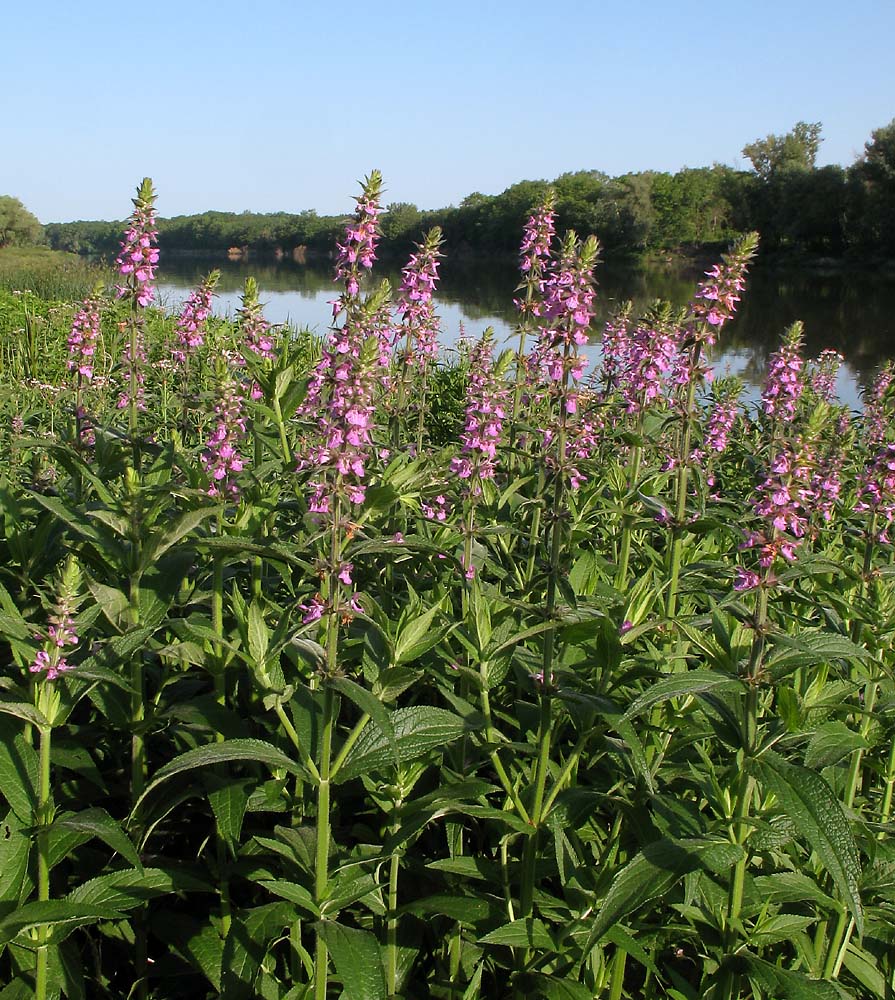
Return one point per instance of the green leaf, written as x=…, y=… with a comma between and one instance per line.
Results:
x=53, y=913
x=652, y=872
x=23, y=710
x=418, y=729
x=417, y=637
x=358, y=961
x=808, y=648
x=831, y=743
x=228, y=803
x=98, y=823
x=251, y=934
x=221, y=753
x=293, y=892
x=782, y=927
x=549, y=988
x=199, y=944
x=809, y=801
x=784, y=983
x=127, y=889
x=370, y=705
x=693, y=682
x=15, y=848
x=159, y=542
x=258, y=634
x=18, y=774
x=525, y=933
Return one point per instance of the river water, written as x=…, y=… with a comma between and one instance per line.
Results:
x=852, y=312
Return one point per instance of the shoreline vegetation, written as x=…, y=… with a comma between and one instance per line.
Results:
x=807, y=214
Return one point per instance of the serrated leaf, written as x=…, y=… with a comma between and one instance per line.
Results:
x=228, y=803
x=98, y=823
x=246, y=945
x=258, y=634
x=549, y=988
x=220, y=753
x=418, y=729
x=15, y=848
x=18, y=774
x=358, y=961
x=293, y=892
x=781, y=927
x=693, y=682
x=159, y=542
x=525, y=933
x=23, y=710
x=651, y=873
x=809, y=801
x=417, y=637
x=831, y=743
x=52, y=913
x=127, y=889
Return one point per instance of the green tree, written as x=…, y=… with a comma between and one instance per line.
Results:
x=797, y=150
x=870, y=223
x=17, y=225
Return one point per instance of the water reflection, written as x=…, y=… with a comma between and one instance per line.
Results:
x=850, y=312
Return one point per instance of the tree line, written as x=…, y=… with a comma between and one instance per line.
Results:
x=797, y=207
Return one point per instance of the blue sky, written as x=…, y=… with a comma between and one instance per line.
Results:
x=279, y=105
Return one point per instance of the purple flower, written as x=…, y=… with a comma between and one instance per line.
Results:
x=716, y=298
x=341, y=394
x=746, y=579
x=190, y=326
x=783, y=383
x=134, y=363
x=255, y=329
x=85, y=331
x=222, y=458
x=138, y=257
x=486, y=403
x=419, y=321
x=824, y=372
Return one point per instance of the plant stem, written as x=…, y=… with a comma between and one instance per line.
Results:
x=392, y=926
x=321, y=875
x=683, y=477
x=624, y=555
x=43, y=859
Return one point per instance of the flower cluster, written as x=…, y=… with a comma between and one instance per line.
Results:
x=720, y=423
x=876, y=487
x=641, y=360
x=190, y=326
x=783, y=383
x=85, y=330
x=361, y=237
x=534, y=255
x=222, y=458
x=255, y=329
x=341, y=392
x=61, y=636
x=878, y=405
x=486, y=398
x=415, y=303
x=824, y=372
x=138, y=257
x=716, y=299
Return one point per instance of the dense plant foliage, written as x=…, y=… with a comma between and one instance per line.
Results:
x=339, y=669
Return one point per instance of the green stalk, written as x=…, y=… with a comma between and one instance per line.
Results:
x=838, y=944
x=494, y=756
x=854, y=771
x=683, y=477
x=885, y=810
x=617, y=980
x=220, y=690
x=545, y=727
x=624, y=555
x=321, y=875
x=43, y=859
x=281, y=427
x=391, y=948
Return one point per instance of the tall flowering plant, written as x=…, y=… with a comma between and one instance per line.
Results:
x=486, y=411
x=82, y=341
x=340, y=400
x=711, y=308
x=136, y=265
x=419, y=324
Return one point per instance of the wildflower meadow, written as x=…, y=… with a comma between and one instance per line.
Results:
x=359, y=667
